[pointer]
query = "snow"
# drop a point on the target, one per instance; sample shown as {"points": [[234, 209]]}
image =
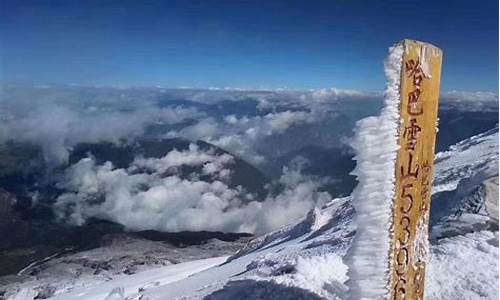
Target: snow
{"points": [[464, 267], [465, 193], [491, 203], [28, 267], [421, 246], [375, 145], [282, 259], [312, 274], [477, 154], [130, 285], [119, 255], [467, 210]]}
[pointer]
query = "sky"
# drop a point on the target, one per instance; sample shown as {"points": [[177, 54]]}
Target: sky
{"points": [[243, 44]]}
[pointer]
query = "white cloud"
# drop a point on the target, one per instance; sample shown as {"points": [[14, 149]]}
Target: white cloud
{"points": [[469, 96], [150, 201], [59, 118], [58, 128], [204, 129], [231, 119], [240, 135], [470, 101], [213, 164], [280, 122], [336, 94]]}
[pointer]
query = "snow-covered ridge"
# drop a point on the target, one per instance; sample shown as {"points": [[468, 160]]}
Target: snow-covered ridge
{"points": [[313, 229], [464, 267], [477, 154], [465, 196], [120, 258]]}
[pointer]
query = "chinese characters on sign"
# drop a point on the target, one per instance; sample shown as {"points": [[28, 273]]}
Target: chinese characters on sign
{"points": [[419, 93]]}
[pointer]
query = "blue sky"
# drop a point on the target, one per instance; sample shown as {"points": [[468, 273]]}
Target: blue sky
{"points": [[247, 44]]}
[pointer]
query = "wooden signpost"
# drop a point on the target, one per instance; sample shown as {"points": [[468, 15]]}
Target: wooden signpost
{"points": [[419, 92]]}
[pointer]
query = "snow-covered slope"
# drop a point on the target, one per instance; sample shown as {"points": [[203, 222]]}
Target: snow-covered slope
{"points": [[464, 267], [120, 257], [477, 155], [130, 287], [466, 187]]}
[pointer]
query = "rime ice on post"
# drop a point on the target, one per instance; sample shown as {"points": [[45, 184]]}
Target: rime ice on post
{"points": [[395, 159]]}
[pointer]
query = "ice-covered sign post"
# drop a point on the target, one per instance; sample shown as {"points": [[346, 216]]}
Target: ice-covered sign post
{"points": [[420, 79], [395, 160]]}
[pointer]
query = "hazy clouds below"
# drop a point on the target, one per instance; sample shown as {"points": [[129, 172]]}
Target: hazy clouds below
{"points": [[160, 199], [269, 129]]}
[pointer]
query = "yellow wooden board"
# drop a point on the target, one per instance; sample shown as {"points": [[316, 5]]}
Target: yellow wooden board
{"points": [[419, 92]]}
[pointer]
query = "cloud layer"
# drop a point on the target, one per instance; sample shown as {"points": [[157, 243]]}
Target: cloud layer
{"points": [[57, 125], [470, 101], [265, 128], [160, 200]]}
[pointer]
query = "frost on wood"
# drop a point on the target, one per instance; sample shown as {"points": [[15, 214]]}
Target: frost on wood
{"points": [[421, 250], [376, 146]]}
